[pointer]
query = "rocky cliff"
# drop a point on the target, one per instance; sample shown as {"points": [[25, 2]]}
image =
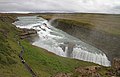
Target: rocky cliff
{"points": [[104, 41], [29, 34]]}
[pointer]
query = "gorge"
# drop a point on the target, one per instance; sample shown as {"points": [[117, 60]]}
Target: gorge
{"points": [[61, 43]]}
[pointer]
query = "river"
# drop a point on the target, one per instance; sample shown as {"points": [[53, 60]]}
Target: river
{"points": [[61, 43]]}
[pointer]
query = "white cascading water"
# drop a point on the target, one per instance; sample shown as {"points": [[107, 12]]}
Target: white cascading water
{"points": [[61, 43]]}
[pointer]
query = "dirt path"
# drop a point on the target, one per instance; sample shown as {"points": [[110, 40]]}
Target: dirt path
{"points": [[23, 61]]}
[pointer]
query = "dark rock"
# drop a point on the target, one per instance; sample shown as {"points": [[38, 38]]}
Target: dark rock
{"points": [[116, 63], [29, 34]]}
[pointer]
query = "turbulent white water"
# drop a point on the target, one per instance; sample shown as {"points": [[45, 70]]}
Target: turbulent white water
{"points": [[61, 43]]}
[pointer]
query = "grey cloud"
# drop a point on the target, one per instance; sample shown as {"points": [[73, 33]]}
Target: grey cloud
{"points": [[117, 7], [100, 6]]}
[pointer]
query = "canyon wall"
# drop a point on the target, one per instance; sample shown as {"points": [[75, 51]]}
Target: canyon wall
{"points": [[104, 41]]}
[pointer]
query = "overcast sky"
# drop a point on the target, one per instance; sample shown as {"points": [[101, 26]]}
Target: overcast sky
{"points": [[91, 6]]}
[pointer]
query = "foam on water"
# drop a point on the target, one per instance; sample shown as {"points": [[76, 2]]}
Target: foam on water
{"points": [[61, 43]]}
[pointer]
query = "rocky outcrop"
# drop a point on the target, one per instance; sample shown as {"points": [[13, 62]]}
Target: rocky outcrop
{"points": [[94, 71], [116, 63], [114, 71], [90, 71], [29, 34], [116, 67]]}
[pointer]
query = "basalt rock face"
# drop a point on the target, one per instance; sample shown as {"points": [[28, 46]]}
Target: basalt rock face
{"points": [[86, 32], [29, 34]]}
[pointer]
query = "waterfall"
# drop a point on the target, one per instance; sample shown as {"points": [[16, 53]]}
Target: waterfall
{"points": [[61, 43]]}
